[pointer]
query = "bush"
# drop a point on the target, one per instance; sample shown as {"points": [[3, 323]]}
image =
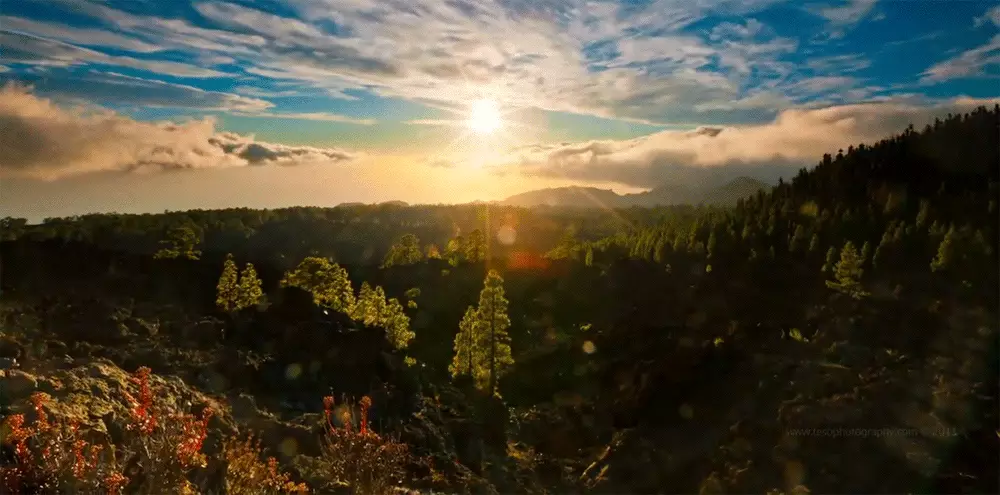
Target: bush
{"points": [[161, 448], [53, 457], [365, 461], [246, 474]]}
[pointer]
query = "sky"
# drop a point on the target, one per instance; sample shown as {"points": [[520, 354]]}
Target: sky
{"points": [[146, 105]]}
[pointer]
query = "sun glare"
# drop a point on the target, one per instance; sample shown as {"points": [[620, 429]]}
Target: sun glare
{"points": [[484, 117]]}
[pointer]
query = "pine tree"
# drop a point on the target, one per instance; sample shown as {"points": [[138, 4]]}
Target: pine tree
{"points": [[713, 244], [467, 347], [227, 290], [945, 253], [406, 251], [328, 282], [589, 258], [866, 251], [180, 242], [454, 252], [397, 325], [475, 246], [831, 256], [485, 332], [848, 273], [250, 292]]}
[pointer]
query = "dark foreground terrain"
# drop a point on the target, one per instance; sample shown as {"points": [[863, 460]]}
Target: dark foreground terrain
{"points": [[836, 334]]}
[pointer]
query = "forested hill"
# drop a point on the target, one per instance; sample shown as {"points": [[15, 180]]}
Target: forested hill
{"points": [[833, 334]]}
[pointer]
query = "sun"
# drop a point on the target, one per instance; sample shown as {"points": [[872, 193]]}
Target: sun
{"points": [[484, 117]]}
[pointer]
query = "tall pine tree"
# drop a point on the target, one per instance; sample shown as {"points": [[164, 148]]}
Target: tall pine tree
{"points": [[227, 290], [848, 273]]}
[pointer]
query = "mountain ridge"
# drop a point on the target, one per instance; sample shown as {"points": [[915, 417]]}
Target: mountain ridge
{"points": [[663, 195]]}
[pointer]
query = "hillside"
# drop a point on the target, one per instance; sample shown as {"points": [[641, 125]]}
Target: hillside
{"points": [[589, 197], [833, 334]]}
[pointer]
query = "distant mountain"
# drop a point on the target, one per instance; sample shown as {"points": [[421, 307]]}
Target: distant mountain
{"points": [[591, 197], [583, 197]]}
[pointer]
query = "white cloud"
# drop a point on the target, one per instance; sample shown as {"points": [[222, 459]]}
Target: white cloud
{"points": [[44, 140], [992, 15], [124, 89], [849, 13], [316, 116], [82, 36], [796, 138], [969, 64], [29, 49]]}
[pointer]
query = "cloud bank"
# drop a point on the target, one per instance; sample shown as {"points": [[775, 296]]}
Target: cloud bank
{"points": [[796, 138], [43, 140]]}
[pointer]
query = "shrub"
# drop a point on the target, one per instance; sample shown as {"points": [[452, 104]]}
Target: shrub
{"points": [[366, 461], [246, 474], [161, 448], [53, 457]]}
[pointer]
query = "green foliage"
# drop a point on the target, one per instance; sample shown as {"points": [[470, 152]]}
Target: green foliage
{"points": [[396, 325], [181, 242], [433, 253], [814, 244], [234, 294], [475, 246], [327, 281], [227, 290], [848, 273], [945, 252], [454, 251], [250, 292], [482, 345], [588, 260], [372, 309], [467, 346], [406, 251], [831, 257]]}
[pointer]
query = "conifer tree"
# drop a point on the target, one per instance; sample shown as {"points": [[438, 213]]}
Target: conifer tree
{"points": [[327, 281], [406, 251], [493, 322], [831, 256], [227, 290], [467, 347], [713, 244], [455, 250], [482, 339], [589, 258], [396, 325], [250, 292], [848, 273], [475, 246], [945, 253], [866, 251], [180, 242]]}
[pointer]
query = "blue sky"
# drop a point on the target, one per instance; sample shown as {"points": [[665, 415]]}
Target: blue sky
{"points": [[597, 92]]}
